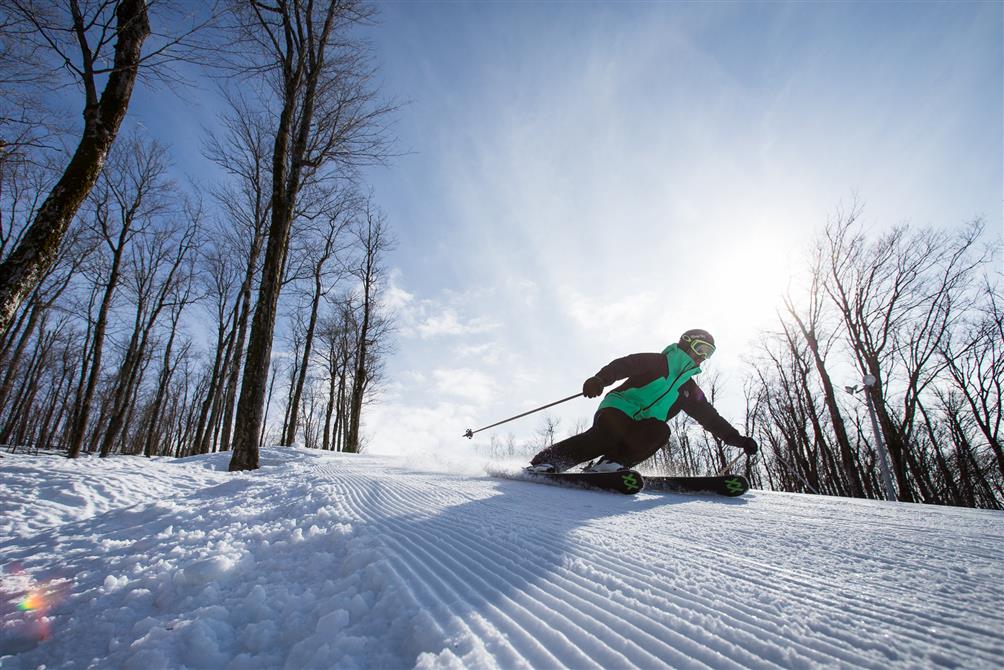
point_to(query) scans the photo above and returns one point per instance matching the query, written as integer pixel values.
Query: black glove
(592, 387)
(749, 445)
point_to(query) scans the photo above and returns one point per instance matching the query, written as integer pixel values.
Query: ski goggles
(701, 348)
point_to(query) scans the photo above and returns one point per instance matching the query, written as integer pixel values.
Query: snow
(324, 560)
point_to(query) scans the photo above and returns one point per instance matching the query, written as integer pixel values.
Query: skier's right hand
(749, 445)
(592, 387)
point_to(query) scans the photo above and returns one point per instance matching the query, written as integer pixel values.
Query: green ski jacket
(653, 399)
(660, 386)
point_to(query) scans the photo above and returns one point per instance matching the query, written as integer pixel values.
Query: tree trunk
(358, 376)
(329, 408)
(137, 357)
(151, 444)
(894, 444)
(251, 404)
(82, 412)
(202, 429)
(57, 397)
(123, 387)
(286, 183)
(302, 142)
(14, 362)
(21, 272)
(301, 378)
(233, 373)
(847, 461)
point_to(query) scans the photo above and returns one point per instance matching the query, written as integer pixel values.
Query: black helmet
(698, 342)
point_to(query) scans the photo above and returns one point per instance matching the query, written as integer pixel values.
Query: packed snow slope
(338, 561)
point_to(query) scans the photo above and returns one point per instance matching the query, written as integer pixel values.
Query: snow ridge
(319, 561)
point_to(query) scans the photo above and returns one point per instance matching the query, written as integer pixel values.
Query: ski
(725, 485)
(631, 482)
(621, 481)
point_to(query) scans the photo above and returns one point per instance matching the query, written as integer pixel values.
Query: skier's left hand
(592, 387)
(749, 445)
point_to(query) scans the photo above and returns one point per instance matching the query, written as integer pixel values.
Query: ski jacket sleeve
(695, 403)
(647, 366)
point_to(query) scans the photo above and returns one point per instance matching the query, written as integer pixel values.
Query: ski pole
(729, 466)
(470, 433)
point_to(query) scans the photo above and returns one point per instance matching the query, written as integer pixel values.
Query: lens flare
(33, 602)
(27, 605)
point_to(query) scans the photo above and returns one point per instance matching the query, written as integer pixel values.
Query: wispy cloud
(448, 322)
(429, 318)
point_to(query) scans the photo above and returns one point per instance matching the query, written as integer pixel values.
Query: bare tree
(327, 119)
(130, 193)
(126, 23)
(23, 183)
(903, 307)
(796, 438)
(811, 325)
(184, 296)
(220, 275)
(79, 44)
(898, 298)
(547, 431)
(976, 368)
(160, 264)
(373, 242)
(336, 336)
(26, 125)
(319, 249)
(242, 152)
(20, 335)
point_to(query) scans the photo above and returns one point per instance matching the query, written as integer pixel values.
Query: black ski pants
(613, 434)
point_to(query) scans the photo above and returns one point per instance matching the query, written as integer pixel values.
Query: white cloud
(466, 383)
(601, 313)
(428, 318)
(414, 377)
(448, 322)
(396, 298)
(484, 352)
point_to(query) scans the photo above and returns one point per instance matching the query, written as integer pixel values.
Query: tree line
(917, 310)
(137, 314)
(920, 312)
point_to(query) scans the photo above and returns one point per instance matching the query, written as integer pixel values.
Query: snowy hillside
(334, 561)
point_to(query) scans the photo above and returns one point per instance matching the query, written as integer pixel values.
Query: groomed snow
(337, 561)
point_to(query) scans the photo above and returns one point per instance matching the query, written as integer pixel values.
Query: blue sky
(586, 180)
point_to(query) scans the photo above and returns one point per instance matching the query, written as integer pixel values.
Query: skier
(631, 422)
